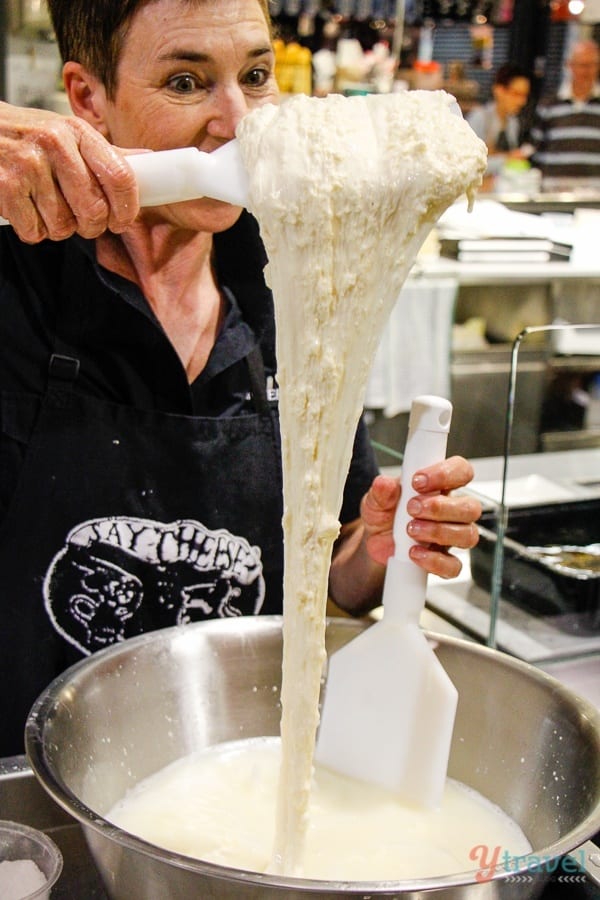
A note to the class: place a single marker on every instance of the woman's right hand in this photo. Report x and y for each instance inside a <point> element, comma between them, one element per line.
<point>58,176</point>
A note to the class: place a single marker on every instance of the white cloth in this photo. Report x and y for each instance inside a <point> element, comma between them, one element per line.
<point>413,356</point>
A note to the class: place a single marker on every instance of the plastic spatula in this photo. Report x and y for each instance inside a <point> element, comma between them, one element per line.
<point>389,706</point>
<point>169,176</point>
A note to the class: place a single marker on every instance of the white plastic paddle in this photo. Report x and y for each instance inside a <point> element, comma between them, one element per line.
<point>169,176</point>
<point>389,706</point>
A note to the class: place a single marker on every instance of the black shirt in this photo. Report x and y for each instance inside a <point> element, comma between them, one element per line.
<point>125,355</point>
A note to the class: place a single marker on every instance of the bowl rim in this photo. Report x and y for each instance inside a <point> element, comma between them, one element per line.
<point>88,818</point>
<point>43,839</point>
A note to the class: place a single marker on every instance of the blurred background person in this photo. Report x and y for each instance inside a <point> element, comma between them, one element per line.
<point>500,123</point>
<point>566,127</point>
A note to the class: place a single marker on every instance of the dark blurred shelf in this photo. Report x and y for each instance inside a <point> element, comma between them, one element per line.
<point>575,363</point>
<point>585,439</point>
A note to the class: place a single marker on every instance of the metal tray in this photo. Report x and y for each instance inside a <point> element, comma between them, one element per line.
<point>22,799</point>
<point>541,582</point>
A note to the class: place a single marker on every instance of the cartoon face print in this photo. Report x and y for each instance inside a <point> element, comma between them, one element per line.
<point>108,599</point>
<point>118,577</point>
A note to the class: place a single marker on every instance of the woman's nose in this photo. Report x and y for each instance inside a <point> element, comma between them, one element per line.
<point>230,106</point>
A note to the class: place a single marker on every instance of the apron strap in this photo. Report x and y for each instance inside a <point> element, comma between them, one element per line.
<point>63,370</point>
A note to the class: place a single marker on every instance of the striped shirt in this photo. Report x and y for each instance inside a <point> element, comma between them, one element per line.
<point>566,135</point>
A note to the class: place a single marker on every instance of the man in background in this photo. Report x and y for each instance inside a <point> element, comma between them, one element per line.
<point>566,127</point>
<point>498,122</point>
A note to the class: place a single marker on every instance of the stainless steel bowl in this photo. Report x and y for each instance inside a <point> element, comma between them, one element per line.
<point>521,739</point>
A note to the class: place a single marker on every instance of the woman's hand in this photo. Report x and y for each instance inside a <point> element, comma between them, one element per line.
<point>439,521</point>
<point>58,176</point>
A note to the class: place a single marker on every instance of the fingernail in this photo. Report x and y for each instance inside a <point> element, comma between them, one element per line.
<point>419,482</point>
<point>418,552</point>
<point>414,507</point>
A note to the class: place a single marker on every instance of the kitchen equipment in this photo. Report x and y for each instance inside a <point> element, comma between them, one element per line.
<point>576,341</point>
<point>169,176</point>
<point>30,862</point>
<point>520,738</point>
<point>387,697</point>
<point>562,583</point>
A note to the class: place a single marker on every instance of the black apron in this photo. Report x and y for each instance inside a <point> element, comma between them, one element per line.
<point>119,525</point>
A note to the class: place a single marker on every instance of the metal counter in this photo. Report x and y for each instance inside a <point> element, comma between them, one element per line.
<point>465,607</point>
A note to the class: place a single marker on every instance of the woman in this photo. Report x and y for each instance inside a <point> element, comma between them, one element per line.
<point>498,122</point>
<point>141,485</point>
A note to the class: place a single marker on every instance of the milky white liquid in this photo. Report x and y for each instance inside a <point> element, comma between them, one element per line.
<point>345,190</point>
<point>218,805</point>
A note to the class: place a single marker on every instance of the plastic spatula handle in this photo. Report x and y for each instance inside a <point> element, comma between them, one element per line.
<point>170,176</point>
<point>405,582</point>
<point>389,706</point>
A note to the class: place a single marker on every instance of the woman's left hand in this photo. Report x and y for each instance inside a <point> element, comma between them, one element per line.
<point>440,519</point>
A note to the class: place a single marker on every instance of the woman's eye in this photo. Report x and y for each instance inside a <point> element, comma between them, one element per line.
<point>183,84</point>
<point>257,77</point>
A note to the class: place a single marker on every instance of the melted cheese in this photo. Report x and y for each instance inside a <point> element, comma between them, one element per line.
<point>345,191</point>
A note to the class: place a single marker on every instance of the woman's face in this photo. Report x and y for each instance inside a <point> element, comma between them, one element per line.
<point>511,98</point>
<point>189,72</point>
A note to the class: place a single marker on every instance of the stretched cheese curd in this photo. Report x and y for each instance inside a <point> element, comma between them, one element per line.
<point>345,191</point>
